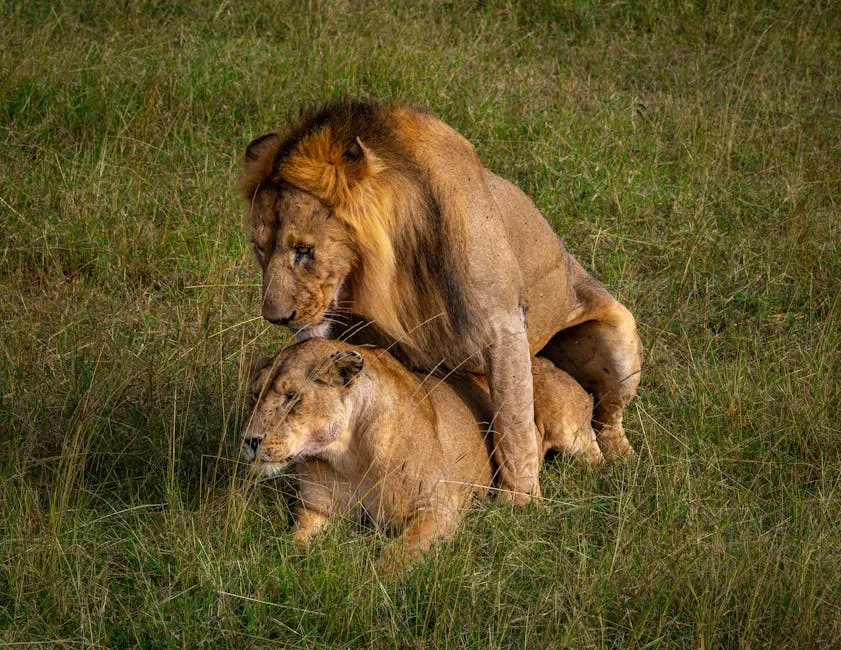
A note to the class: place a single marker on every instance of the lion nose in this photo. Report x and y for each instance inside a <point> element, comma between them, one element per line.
<point>283,320</point>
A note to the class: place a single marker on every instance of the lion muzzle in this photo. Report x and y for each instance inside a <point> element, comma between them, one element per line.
<point>279,320</point>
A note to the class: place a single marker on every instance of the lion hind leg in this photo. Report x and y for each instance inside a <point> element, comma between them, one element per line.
<point>604,355</point>
<point>515,440</point>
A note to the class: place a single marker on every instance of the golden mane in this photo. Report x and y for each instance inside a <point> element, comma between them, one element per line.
<point>350,157</point>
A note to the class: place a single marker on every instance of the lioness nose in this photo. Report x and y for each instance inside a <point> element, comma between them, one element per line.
<point>283,320</point>
<point>249,449</point>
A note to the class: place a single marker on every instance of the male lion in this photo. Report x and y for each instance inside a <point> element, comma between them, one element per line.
<point>386,213</point>
<point>411,449</point>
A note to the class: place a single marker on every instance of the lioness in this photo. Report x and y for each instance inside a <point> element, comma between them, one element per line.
<point>379,221</point>
<point>411,449</point>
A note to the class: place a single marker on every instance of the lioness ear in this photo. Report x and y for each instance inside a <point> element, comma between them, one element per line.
<point>260,146</point>
<point>341,368</point>
<point>259,373</point>
<point>258,365</point>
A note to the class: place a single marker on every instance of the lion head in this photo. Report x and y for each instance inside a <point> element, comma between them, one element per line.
<point>340,206</point>
<point>306,255</point>
<point>300,400</point>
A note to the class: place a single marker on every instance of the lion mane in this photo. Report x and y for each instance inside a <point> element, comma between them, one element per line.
<point>372,165</point>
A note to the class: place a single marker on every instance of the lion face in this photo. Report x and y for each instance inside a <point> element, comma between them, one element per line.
<point>301,405</point>
<point>305,253</point>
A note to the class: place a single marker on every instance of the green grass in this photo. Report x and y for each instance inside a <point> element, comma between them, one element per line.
<point>689,154</point>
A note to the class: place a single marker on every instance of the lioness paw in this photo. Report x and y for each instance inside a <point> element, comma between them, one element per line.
<point>307,524</point>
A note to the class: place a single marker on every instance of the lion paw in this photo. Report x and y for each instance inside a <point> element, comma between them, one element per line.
<point>614,444</point>
<point>519,495</point>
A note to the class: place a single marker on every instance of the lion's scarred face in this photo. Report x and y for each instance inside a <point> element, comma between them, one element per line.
<point>301,405</point>
<point>305,253</point>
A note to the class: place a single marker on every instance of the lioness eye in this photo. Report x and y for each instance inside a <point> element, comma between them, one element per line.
<point>302,253</point>
<point>291,401</point>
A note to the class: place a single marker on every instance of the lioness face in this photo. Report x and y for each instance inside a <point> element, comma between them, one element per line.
<point>300,406</point>
<point>306,255</point>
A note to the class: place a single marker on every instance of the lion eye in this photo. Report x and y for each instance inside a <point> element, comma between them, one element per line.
<point>303,252</point>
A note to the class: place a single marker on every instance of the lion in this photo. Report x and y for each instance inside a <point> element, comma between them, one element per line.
<point>410,449</point>
<point>377,223</point>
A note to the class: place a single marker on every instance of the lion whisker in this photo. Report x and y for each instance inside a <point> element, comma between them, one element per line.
<point>406,337</point>
<point>354,329</point>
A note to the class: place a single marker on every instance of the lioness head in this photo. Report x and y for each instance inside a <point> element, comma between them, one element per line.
<point>301,404</point>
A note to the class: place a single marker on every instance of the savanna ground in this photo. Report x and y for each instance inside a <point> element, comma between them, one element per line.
<point>688,153</point>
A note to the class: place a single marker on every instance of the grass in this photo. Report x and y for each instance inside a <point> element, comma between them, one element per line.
<point>688,153</point>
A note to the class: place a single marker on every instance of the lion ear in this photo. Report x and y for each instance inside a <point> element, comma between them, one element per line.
<point>258,164</point>
<point>259,147</point>
<point>358,163</point>
<point>361,161</point>
<point>341,368</point>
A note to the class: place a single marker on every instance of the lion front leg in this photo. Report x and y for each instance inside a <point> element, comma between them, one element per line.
<point>508,362</point>
<point>605,355</point>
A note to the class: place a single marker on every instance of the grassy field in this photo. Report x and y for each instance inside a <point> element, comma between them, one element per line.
<point>688,153</point>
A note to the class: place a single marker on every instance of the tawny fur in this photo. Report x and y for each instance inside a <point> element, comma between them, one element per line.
<point>410,449</point>
<point>381,219</point>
